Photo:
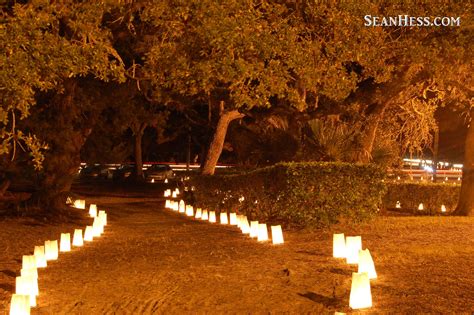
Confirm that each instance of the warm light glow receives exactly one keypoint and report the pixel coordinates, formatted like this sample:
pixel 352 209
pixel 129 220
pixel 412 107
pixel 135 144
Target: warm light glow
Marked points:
pixel 77 238
pixel 189 211
pixel 174 195
pixel 167 204
pixel 65 243
pixel 152 180
pixel 443 208
pixel 198 213
pixel 167 193
pixel 338 246
pixel 353 245
pixel 80 204
pixel 96 228
pixel 420 206
pixel 253 228
pixel 204 215
pixel 239 221
pixel 27 285
pixel 277 234
pixel 93 210
pixel 177 191
pixel 88 234
pixel 212 217
pixel 166 180
pixel 360 296
pixel 182 207
pixel 224 219
pixel 233 218
pixel 262 232
pixel 366 264
pixel 20 304
pixel 28 261
pixel 33 272
pixel 40 257
pixel 103 218
pixel 51 250
pixel 244 225
pixel 174 205
pixel 398 205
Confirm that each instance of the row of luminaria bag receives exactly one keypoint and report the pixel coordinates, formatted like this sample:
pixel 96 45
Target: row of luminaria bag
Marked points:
pixel 350 248
pixel 27 289
pixel 254 229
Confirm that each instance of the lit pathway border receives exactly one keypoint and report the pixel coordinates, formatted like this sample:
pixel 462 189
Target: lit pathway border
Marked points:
pixel 26 286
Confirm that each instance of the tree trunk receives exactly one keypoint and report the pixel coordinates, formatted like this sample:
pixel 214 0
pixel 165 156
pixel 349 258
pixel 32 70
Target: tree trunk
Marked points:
pixel 466 199
pixel 364 153
pixel 138 152
pixel 63 157
pixel 435 154
pixel 217 143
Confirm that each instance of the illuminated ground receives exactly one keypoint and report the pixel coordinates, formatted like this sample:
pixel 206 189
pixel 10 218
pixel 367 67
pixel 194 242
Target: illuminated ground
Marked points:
pixel 151 260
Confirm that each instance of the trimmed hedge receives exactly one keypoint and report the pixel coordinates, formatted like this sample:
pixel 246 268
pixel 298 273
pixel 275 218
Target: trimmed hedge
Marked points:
pixel 301 194
pixel 432 195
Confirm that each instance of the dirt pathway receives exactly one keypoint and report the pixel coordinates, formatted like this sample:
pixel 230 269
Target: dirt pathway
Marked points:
pixel 151 260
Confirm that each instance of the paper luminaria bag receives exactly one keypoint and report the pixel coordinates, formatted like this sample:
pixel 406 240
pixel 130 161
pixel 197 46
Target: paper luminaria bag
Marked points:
pixel 277 234
pixel 253 228
pixel 224 219
pixel 51 250
pixel 366 264
pixel 93 210
pixel 20 304
pixel 353 245
pixel 88 234
pixel 244 225
pixel 360 296
pixel 77 238
pixel 65 242
pixel 262 232
pixel 40 257
pixel 233 218
pixel 212 217
pixel 339 245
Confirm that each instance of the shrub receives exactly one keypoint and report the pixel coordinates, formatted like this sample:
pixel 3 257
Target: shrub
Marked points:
pixel 301 194
pixel 432 195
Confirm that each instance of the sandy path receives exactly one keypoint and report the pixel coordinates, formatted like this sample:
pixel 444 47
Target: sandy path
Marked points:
pixel 151 260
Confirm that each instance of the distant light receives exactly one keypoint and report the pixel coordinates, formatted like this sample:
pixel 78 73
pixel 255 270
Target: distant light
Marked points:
pixel 428 168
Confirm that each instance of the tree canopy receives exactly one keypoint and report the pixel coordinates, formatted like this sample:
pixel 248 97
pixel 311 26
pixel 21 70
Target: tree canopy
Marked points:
pixel 305 73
